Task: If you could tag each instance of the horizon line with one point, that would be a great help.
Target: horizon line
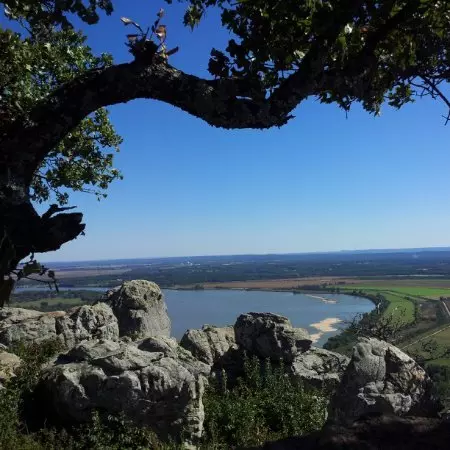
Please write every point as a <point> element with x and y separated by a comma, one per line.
<point>380,250</point>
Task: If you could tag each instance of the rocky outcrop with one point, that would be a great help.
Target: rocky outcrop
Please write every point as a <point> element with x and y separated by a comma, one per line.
<point>373,433</point>
<point>270,336</point>
<point>87,322</point>
<point>140,309</point>
<point>209,344</point>
<point>380,378</point>
<point>170,348</point>
<point>17,324</point>
<point>71,327</point>
<point>267,336</point>
<point>120,359</point>
<point>8,365</point>
<point>319,368</point>
<point>152,389</point>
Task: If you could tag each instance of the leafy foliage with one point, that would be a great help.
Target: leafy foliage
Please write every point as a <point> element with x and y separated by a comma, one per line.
<point>12,429</point>
<point>33,64</point>
<point>264,405</point>
<point>54,12</point>
<point>385,50</point>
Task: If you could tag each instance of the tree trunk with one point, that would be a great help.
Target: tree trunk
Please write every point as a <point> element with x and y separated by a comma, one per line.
<point>23,231</point>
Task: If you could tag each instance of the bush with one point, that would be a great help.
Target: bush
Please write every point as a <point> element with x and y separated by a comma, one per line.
<point>265,404</point>
<point>117,433</point>
<point>13,433</point>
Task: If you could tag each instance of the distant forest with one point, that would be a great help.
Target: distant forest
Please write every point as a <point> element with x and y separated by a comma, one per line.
<point>189,271</point>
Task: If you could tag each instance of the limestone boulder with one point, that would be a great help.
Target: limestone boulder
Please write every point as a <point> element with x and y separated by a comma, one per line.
<point>150,388</point>
<point>23,325</point>
<point>385,432</point>
<point>87,322</point>
<point>209,344</point>
<point>140,309</point>
<point>319,368</point>
<point>71,327</point>
<point>8,365</point>
<point>381,379</point>
<point>271,336</point>
<point>169,347</point>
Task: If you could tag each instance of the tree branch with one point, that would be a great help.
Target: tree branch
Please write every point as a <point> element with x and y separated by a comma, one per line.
<point>54,209</point>
<point>218,102</point>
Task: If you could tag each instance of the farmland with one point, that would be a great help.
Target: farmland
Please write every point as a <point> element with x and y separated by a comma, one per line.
<point>52,303</point>
<point>425,292</point>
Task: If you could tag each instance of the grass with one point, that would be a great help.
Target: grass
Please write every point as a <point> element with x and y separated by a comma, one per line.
<point>412,291</point>
<point>399,306</point>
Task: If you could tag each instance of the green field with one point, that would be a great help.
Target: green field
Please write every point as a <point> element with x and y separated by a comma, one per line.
<point>442,339</point>
<point>412,291</point>
<point>399,307</point>
<point>51,301</point>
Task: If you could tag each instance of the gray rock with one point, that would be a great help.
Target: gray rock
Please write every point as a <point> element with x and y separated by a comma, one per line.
<point>71,327</point>
<point>152,389</point>
<point>170,348</point>
<point>22,325</point>
<point>8,364</point>
<point>380,378</point>
<point>209,344</point>
<point>87,322</point>
<point>140,309</point>
<point>270,336</point>
<point>386,432</point>
<point>319,368</point>
<point>10,316</point>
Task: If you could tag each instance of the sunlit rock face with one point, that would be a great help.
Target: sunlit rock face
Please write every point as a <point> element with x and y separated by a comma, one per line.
<point>140,309</point>
<point>380,378</point>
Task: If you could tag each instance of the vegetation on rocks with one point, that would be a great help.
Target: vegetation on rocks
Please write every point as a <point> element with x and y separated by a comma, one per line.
<point>265,404</point>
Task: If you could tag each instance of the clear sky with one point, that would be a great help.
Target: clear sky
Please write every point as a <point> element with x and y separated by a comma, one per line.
<point>323,182</point>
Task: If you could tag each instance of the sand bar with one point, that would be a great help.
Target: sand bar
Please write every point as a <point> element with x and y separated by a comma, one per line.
<point>326,300</point>
<point>324,326</point>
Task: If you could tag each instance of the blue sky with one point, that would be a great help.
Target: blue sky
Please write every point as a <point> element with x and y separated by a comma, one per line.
<point>323,182</point>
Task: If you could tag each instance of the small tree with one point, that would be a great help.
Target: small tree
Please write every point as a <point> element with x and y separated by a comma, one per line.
<point>386,327</point>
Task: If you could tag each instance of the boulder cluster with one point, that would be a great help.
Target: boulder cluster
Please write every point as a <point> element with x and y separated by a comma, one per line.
<point>119,358</point>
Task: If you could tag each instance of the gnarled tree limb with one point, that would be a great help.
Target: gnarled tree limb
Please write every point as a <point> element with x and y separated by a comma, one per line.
<point>220,103</point>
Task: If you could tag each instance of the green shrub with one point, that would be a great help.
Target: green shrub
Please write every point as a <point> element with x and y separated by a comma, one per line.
<point>13,430</point>
<point>265,404</point>
<point>117,433</point>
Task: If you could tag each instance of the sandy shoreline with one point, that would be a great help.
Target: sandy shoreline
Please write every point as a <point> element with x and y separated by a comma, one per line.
<point>326,300</point>
<point>324,326</point>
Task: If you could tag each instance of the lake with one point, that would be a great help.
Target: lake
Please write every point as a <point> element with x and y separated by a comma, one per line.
<point>192,309</point>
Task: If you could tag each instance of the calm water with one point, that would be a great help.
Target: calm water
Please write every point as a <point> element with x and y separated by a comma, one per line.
<point>192,309</point>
